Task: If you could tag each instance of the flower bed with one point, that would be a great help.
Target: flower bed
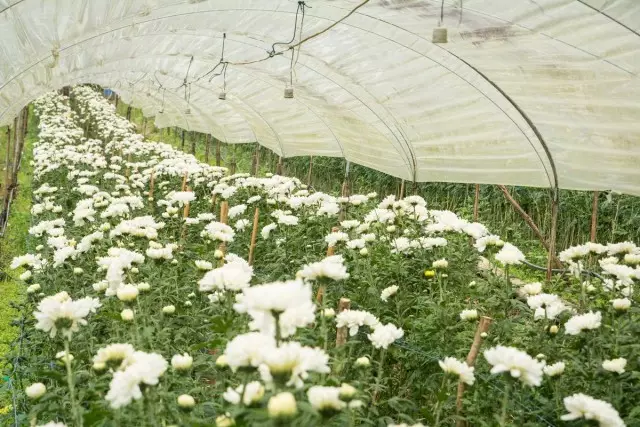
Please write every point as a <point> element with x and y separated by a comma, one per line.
<point>164,292</point>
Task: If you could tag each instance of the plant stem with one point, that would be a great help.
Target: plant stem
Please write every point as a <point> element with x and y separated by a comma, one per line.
<point>72,388</point>
<point>438,408</point>
<point>278,332</point>
<point>505,403</point>
<point>383,353</point>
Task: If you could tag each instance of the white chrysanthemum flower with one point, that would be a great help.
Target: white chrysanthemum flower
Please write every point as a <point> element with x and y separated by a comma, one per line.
<point>267,229</point>
<point>181,197</point>
<point>582,322</point>
<point>117,355</point>
<point>247,350</point>
<point>218,231</point>
<point>293,362</point>
<point>325,399</point>
<point>510,255</point>
<point>530,289</point>
<point>237,210</point>
<point>64,314</point>
<point>234,275</point>
<point>144,368</point>
<point>385,335</point>
<point>291,301</point>
<point>621,304</point>
<point>335,237</point>
<point>517,363</point>
<point>388,292</point>
<point>354,319</point>
<point>469,314</point>
<point>615,365</point>
<point>203,265</point>
<point>35,391</point>
<point>582,406</point>
<point>554,370</point>
<point>282,406</point>
<point>252,395</point>
<point>241,224</point>
<point>332,267</point>
<point>452,365</point>
<point>440,264</point>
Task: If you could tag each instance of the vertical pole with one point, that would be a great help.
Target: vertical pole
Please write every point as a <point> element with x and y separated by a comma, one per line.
<point>346,192</point>
<point>483,327</point>
<point>182,143</point>
<point>401,190</point>
<point>257,171</point>
<point>594,216</point>
<point>144,127</point>
<point>552,239</point>
<point>476,203</point>
<point>6,170</point>
<point>185,177</point>
<point>218,153</point>
<point>207,148</point>
<point>279,166</point>
<point>194,137</point>
<point>254,236</point>
<point>129,112</point>
<point>309,173</point>
<point>254,163</point>
<point>342,333</point>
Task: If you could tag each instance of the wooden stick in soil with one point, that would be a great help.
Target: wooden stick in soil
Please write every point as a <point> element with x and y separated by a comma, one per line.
<point>331,250</point>
<point>184,181</point>
<point>343,332</point>
<point>483,327</point>
<point>254,236</point>
<point>218,153</point>
<point>309,173</point>
<point>476,203</point>
<point>555,261</point>
<point>402,184</point>
<point>224,217</point>
<point>207,149</point>
<point>552,237</point>
<point>594,216</point>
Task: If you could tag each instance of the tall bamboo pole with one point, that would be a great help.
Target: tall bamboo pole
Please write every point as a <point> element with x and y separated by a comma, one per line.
<point>594,216</point>
<point>207,148</point>
<point>310,169</point>
<point>552,238</point>
<point>254,236</point>
<point>476,203</point>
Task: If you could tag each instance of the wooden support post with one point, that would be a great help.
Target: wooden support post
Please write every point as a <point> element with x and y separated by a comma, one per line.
<point>129,112</point>
<point>401,190</point>
<point>185,177</point>
<point>218,153</point>
<point>309,173</point>
<point>187,207</point>
<point>207,149</point>
<point>7,168</point>
<point>194,137</point>
<point>151,184</point>
<point>224,212</point>
<point>594,216</point>
<point>254,236</point>
<point>279,166</point>
<point>254,163</point>
<point>476,203</point>
<point>343,331</point>
<point>555,261</point>
<point>144,127</point>
<point>182,139</point>
<point>213,203</point>
<point>552,238</point>
<point>345,192</point>
<point>483,327</point>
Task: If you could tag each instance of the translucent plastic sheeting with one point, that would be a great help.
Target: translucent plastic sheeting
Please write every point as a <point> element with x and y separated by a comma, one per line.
<point>374,89</point>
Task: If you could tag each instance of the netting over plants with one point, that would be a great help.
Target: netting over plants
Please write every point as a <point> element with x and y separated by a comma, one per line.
<point>523,92</point>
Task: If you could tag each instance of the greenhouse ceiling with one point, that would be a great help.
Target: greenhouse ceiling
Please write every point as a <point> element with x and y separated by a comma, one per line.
<point>523,92</point>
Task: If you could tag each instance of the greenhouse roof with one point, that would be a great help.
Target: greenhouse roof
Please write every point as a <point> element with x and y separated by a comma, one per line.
<point>524,92</point>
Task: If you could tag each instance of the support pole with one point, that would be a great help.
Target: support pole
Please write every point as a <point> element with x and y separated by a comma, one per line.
<point>552,238</point>
<point>279,166</point>
<point>476,203</point>
<point>342,332</point>
<point>483,327</point>
<point>182,143</point>
<point>7,166</point>
<point>401,190</point>
<point>594,216</point>
<point>207,149</point>
<point>194,138</point>
<point>129,112</point>
<point>185,177</point>
<point>218,153</point>
<point>547,245</point>
<point>309,173</point>
<point>254,236</point>
<point>346,192</point>
<point>254,161</point>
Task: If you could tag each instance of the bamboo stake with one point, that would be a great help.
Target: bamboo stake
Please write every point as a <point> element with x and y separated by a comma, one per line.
<point>343,332</point>
<point>483,327</point>
<point>224,212</point>
<point>187,207</point>
<point>402,190</point>
<point>254,235</point>
<point>309,173</point>
<point>213,203</point>
<point>555,261</point>
<point>207,148</point>
<point>279,166</point>
<point>184,181</point>
<point>218,153</point>
<point>476,203</point>
<point>552,238</point>
<point>594,216</point>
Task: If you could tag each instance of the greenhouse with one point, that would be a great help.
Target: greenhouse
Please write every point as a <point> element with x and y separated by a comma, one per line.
<point>320,213</point>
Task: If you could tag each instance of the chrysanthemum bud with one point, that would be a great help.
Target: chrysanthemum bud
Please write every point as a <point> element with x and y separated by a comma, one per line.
<point>186,401</point>
<point>553,329</point>
<point>329,313</point>
<point>218,254</point>
<point>181,362</point>
<point>347,392</point>
<point>169,309</point>
<point>78,270</point>
<point>127,315</point>
<point>34,288</point>
<point>429,273</point>
<point>282,405</point>
<point>225,421</point>
<point>621,304</point>
<point>221,361</point>
<point>35,391</point>
<point>364,251</point>
<point>363,361</point>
